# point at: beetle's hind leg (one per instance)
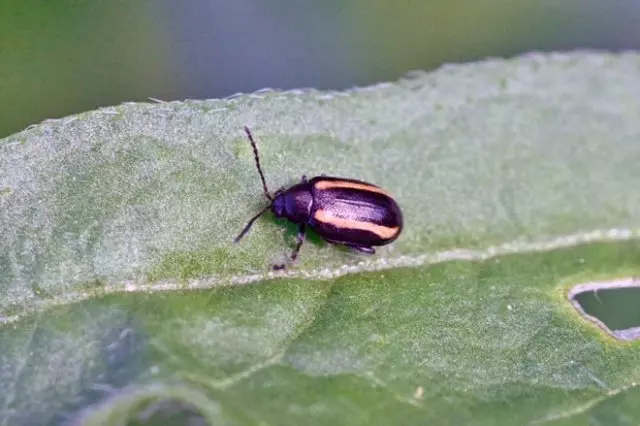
(361, 249)
(296, 250)
(354, 247)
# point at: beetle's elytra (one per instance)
(350, 212)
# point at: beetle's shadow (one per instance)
(290, 234)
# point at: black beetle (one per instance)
(356, 214)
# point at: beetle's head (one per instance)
(278, 204)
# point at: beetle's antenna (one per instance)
(255, 154)
(253, 219)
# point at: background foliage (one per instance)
(70, 56)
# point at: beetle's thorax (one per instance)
(294, 203)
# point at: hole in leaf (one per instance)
(612, 305)
(168, 412)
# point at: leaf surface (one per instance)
(123, 298)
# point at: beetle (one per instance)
(350, 212)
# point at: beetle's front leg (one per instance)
(296, 250)
(300, 240)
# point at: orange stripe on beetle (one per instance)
(384, 232)
(345, 184)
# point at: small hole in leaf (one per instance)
(612, 305)
(168, 412)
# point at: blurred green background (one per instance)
(65, 56)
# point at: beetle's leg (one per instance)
(304, 179)
(301, 234)
(294, 254)
(361, 249)
(355, 247)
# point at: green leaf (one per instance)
(123, 299)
